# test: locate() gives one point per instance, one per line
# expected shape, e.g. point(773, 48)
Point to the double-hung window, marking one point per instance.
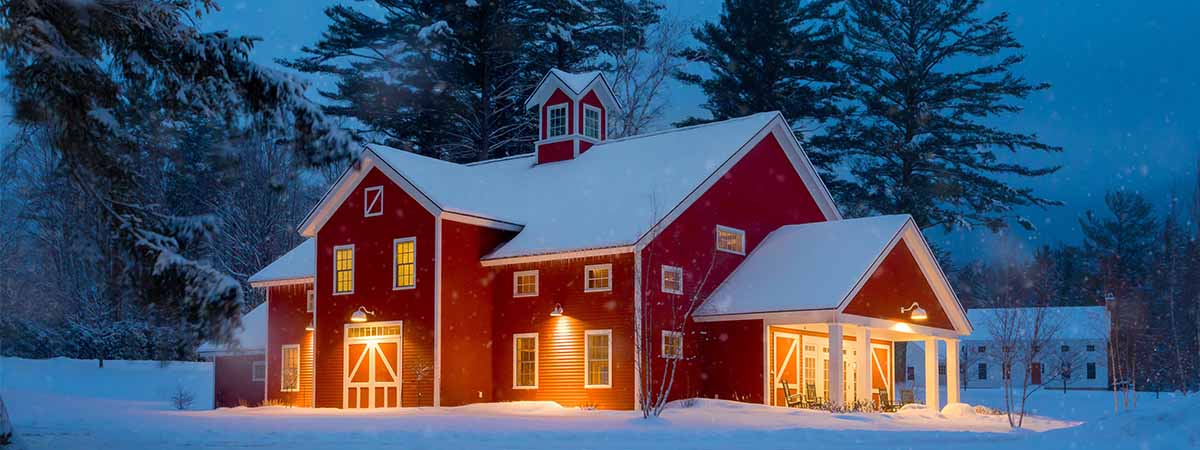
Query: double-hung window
point(672, 280)
point(1091, 371)
point(731, 240)
point(311, 304)
point(556, 120)
point(525, 283)
point(591, 121)
point(597, 278)
point(597, 351)
point(290, 375)
point(343, 269)
point(982, 375)
point(672, 344)
point(525, 361)
point(404, 258)
point(258, 371)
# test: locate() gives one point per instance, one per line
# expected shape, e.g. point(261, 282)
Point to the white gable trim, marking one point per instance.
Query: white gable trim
point(349, 180)
point(281, 282)
point(549, 82)
point(800, 162)
point(481, 221)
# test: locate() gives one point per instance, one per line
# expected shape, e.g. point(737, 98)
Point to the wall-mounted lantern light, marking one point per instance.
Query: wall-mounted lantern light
point(918, 313)
point(360, 314)
point(558, 310)
point(311, 325)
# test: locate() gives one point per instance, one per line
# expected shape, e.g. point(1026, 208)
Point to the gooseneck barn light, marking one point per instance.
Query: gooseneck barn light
point(558, 310)
point(918, 313)
point(360, 314)
point(311, 325)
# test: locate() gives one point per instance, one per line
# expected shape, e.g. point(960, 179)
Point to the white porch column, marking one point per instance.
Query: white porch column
point(951, 371)
point(864, 360)
point(931, 374)
point(836, 387)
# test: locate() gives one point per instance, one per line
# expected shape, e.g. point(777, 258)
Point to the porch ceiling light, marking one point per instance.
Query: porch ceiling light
point(312, 326)
point(918, 313)
point(360, 314)
point(558, 310)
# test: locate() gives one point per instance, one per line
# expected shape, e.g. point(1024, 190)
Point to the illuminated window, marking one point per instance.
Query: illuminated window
point(405, 260)
point(290, 375)
point(810, 364)
point(525, 284)
point(343, 269)
point(597, 358)
point(672, 344)
point(672, 280)
point(591, 121)
point(525, 361)
point(597, 278)
point(373, 201)
point(556, 120)
point(311, 304)
point(258, 371)
point(731, 240)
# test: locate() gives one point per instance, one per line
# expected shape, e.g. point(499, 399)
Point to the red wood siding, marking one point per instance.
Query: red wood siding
point(561, 339)
point(556, 151)
point(467, 289)
point(286, 319)
point(896, 283)
point(758, 195)
point(848, 343)
point(372, 238)
point(558, 98)
point(233, 378)
point(732, 360)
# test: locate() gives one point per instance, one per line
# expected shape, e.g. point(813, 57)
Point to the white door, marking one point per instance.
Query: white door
point(849, 367)
point(372, 357)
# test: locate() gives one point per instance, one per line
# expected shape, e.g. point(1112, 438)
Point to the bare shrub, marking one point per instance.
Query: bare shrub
point(182, 398)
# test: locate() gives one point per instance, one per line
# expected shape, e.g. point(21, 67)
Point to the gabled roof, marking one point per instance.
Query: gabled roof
point(1070, 322)
point(608, 197)
point(576, 85)
point(820, 266)
point(296, 265)
point(251, 339)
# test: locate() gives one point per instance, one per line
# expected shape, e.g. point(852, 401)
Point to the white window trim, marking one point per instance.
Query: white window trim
point(310, 300)
point(550, 120)
point(284, 365)
point(663, 349)
point(663, 281)
point(587, 271)
point(254, 378)
point(536, 360)
point(366, 201)
point(395, 279)
point(586, 351)
point(537, 280)
point(740, 233)
point(599, 119)
point(353, 277)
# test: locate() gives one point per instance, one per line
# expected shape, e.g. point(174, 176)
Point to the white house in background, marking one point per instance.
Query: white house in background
point(1079, 351)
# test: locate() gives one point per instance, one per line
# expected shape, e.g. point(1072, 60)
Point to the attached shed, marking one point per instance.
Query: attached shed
point(240, 368)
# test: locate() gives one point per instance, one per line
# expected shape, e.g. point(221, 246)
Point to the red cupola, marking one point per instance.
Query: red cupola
point(572, 113)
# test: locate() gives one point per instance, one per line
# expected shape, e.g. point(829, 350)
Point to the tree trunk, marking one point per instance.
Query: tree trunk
point(6, 429)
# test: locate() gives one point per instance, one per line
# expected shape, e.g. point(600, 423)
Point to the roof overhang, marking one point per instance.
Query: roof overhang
point(557, 256)
point(346, 183)
point(281, 282)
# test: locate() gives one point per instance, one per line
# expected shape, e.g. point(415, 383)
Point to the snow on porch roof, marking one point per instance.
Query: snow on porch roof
point(805, 267)
point(296, 264)
point(251, 339)
point(607, 197)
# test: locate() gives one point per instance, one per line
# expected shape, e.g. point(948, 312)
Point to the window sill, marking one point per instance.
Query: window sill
point(343, 293)
point(524, 295)
point(607, 289)
point(404, 288)
point(597, 386)
point(525, 388)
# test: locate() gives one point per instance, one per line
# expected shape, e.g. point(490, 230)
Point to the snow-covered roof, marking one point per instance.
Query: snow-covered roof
point(1071, 322)
point(576, 85)
point(805, 267)
point(251, 339)
point(296, 264)
point(607, 197)
point(576, 82)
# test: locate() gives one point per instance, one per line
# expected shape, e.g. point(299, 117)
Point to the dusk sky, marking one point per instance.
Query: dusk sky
point(1123, 103)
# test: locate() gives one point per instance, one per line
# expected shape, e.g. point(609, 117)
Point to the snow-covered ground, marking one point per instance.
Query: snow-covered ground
point(69, 404)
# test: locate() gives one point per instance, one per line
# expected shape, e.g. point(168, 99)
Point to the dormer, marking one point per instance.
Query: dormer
point(572, 113)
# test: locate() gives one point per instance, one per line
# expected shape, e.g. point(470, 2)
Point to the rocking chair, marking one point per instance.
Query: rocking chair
point(793, 400)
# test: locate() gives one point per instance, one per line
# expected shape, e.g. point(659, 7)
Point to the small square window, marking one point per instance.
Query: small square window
point(1091, 348)
point(731, 240)
point(556, 120)
point(982, 349)
point(258, 371)
point(597, 278)
point(311, 304)
point(373, 201)
point(672, 344)
point(525, 284)
point(672, 280)
point(1066, 348)
point(591, 121)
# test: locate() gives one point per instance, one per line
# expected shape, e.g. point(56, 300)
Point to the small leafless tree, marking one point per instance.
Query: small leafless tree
point(6, 429)
point(641, 77)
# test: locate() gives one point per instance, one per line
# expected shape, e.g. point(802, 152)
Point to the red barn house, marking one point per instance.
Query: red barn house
point(430, 283)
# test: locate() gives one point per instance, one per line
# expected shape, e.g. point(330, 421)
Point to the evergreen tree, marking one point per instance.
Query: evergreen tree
point(769, 55)
point(927, 77)
point(1122, 243)
point(449, 79)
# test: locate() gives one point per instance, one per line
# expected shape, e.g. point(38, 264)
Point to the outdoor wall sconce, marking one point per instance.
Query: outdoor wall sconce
point(557, 312)
point(918, 313)
point(360, 314)
point(312, 326)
